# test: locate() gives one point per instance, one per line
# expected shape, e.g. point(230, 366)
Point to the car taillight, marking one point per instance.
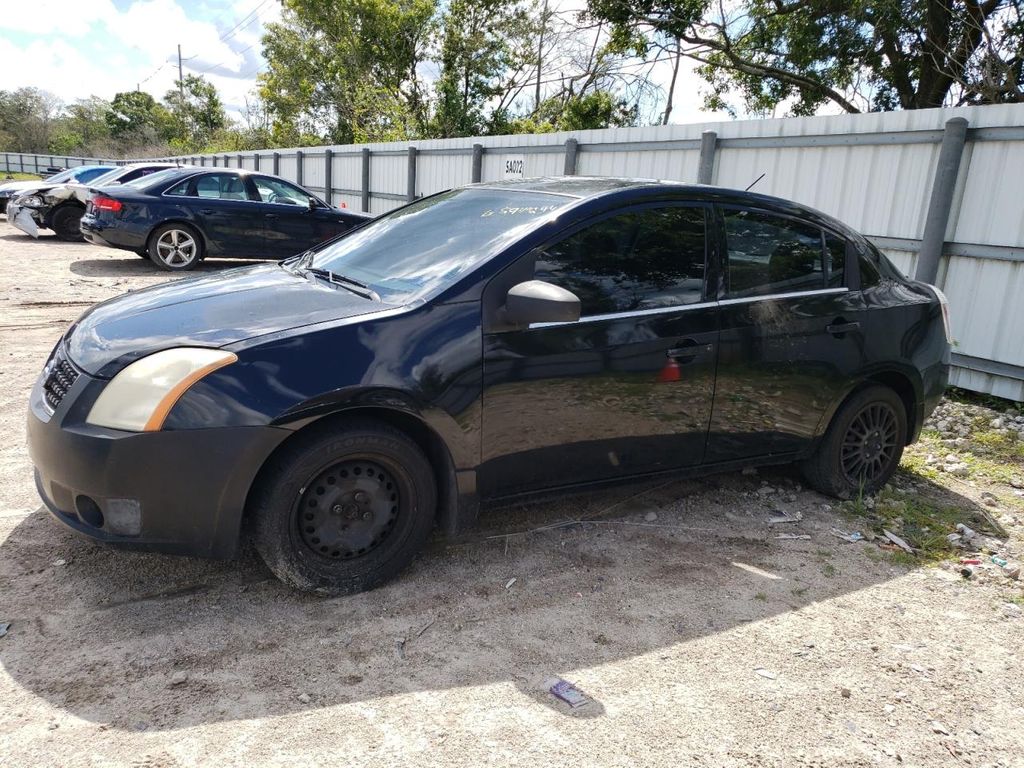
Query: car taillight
point(106, 204)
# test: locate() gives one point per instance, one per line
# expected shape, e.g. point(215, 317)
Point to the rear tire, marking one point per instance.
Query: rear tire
point(65, 223)
point(175, 247)
point(862, 447)
point(343, 511)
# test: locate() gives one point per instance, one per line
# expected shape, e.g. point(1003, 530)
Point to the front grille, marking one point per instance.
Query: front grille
point(59, 380)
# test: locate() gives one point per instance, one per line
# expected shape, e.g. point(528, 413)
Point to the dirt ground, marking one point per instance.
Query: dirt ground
point(702, 638)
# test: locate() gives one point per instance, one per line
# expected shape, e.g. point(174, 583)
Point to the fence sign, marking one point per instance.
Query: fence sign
point(515, 166)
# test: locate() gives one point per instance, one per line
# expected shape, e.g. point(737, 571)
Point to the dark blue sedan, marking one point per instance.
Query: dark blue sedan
point(178, 217)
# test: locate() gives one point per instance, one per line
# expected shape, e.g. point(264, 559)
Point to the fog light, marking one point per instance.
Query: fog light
point(89, 511)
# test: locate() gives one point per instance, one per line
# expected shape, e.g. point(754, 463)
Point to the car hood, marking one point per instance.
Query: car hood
point(14, 187)
point(211, 311)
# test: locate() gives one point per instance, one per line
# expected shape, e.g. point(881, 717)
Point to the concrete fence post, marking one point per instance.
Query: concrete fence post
point(572, 147)
point(255, 161)
point(478, 163)
point(328, 175)
point(410, 184)
point(277, 163)
point(706, 166)
point(365, 182)
point(946, 170)
point(300, 160)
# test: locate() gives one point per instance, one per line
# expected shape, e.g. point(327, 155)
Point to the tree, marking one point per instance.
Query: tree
point(347, 71)
point(197, 113)
point(864, 54)
point(83, 128)
point(27, 119)
point(136, 119)
point(481, 42)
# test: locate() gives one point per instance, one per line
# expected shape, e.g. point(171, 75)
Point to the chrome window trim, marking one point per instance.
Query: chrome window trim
point(684, 307)
point(626, 315)
point(789, 295)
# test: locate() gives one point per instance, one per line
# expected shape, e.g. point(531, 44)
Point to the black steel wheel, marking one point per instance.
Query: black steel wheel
point(343, 508)
point(349, 509)
point(66, 221)
point(863, 445)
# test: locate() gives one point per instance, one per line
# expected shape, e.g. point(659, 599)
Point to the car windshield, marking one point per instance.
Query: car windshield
point(108, 177)
point(428, 245)
point(144, 182)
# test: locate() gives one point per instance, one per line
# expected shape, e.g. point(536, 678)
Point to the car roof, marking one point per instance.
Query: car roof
point(595, 187)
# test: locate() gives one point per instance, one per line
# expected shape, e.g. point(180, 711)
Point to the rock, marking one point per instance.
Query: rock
point(845, 693)
point(997, 423)
point(650, 517)
point(304, 698)
point(178, 678)
point(938, 727)
point(1012, 610)
point(1017, 482)
point(826, 507)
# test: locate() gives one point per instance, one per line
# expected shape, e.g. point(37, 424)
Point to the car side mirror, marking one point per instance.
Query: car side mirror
point(313, 204)
point(535, 301)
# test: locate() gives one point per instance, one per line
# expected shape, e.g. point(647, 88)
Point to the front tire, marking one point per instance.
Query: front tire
point(175, 247)
point(862, 447)
point(65, 223)
point(344, 510)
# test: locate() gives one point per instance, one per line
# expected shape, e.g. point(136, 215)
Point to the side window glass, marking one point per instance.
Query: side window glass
point(179, 189)
point(275, 191)
point(771, 254)
point(835, 258)
point(642, 260)
point(868, 273)
point(221, 187)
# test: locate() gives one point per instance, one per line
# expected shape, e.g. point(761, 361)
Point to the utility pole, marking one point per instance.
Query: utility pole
point(181, 87)
point(540, 53)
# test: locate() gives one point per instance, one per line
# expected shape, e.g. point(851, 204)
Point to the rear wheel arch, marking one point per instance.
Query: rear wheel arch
point(425, 437)
point(911, 397)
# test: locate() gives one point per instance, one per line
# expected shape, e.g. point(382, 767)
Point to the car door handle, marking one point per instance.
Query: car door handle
point(689, 351)
point(270, 215)
point(839, 327)
point(206, 211)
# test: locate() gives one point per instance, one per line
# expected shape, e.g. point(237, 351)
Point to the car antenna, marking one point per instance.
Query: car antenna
point(755, 182)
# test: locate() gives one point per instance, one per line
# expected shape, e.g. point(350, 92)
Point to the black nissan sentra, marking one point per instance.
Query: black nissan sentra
point(481, 343)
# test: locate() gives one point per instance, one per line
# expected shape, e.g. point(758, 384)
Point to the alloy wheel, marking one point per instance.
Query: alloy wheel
point(869, 444)
point(176, 248)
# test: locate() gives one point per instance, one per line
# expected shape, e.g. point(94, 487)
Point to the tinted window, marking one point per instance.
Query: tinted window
point(771, 254)
point(89, 174)
point(428, 245)
point(643, 260)
point(835, 258)
point(277, 191)
point(868, 273)
point(180, 188)
point(221, 186)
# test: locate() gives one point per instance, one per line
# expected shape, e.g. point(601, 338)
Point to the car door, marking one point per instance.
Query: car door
point(792, 333)
point(221, 207)
point(628, 388)
point(294, 220)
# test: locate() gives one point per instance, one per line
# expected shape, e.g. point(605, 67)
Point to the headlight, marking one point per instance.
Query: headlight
point(30, 201)
point(139, 398)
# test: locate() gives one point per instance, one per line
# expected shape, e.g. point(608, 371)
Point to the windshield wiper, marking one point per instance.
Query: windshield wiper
point(356, 287)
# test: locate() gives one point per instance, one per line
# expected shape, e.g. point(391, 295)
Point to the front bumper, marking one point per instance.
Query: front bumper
point(25, 219)
point(179, 491)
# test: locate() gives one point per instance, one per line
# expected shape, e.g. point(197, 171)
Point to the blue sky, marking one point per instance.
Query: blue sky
point(78, 48)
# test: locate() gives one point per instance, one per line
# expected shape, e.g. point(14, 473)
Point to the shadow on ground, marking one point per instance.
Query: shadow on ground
point(102, 633)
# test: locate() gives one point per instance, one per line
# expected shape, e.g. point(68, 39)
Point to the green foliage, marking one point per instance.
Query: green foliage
point(27, 119)
point(196, 114)
point(135, 117)
point(874, 54)
point(347, 71)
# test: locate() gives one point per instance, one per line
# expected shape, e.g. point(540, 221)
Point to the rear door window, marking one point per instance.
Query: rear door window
point(280, 192)
point(221, 186)
point(768, 254)
point(646, 259)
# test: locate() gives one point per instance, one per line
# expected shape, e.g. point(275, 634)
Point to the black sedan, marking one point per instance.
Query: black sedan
point(485, 342)
point(179, 217)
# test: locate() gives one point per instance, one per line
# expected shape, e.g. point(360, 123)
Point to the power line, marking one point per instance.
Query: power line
point(243, 23)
